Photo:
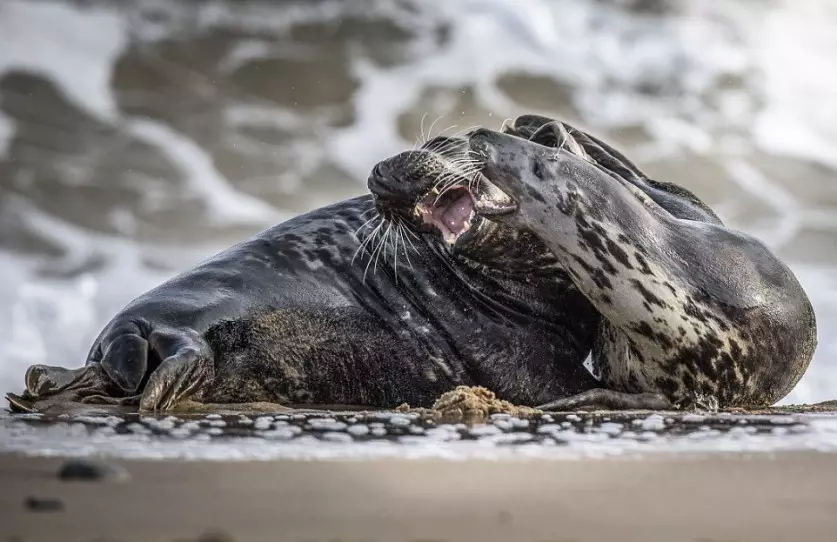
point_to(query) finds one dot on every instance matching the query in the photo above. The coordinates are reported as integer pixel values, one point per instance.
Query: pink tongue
(457, 213)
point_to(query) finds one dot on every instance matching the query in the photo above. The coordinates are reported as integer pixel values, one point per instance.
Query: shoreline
(758, 497)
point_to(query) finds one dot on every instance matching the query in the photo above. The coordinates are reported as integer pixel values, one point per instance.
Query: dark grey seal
(375, 301)
(694, 313)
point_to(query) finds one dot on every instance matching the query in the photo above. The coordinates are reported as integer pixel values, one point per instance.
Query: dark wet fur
(288, 317)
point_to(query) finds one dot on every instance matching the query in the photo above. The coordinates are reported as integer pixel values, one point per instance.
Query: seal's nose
(400, 179)
(381, 170)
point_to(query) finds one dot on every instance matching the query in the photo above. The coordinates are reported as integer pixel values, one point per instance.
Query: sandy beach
(705, 498)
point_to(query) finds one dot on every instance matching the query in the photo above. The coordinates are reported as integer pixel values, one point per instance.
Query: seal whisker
(382, 247)
(420, 139)
(394, 244)
(430, 130)
(404, 239)
(368, 238)
(441, 147)
(372, 253)
(377, 250)
(365, 224)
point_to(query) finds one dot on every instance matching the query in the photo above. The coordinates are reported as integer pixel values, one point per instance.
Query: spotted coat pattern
(692, 310)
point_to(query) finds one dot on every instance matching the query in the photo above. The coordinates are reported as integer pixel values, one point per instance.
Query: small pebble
(400, 421)
(378, 432)
(326, 424)
(654, 422)
(573, 418)
(358, 430)
(213, 416)
(91, 471)
(263, 423)
(518, 423)
(503, 424)
(36, 504)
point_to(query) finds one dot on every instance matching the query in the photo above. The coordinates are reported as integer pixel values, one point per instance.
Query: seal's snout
(399, 180)
(496, 154)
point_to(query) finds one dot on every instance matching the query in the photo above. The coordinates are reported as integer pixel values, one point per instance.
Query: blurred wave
(138, 138)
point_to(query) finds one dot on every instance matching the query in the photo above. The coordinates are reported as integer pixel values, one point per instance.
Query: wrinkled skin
(694, 313)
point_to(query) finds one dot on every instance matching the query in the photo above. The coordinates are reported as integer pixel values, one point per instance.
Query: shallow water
(137, 140)
(375, 435)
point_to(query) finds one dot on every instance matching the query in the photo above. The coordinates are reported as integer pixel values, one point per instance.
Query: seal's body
(306, 313)
(694, 313)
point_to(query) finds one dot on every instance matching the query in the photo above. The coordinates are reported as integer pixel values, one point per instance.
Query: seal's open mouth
(450, 212)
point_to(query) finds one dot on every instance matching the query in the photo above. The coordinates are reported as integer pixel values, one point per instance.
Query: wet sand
(720, 498)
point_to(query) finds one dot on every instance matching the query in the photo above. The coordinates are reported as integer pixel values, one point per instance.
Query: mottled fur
(693, 311)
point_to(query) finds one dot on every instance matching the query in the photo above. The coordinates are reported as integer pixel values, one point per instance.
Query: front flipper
(186, 369)
(603, 399)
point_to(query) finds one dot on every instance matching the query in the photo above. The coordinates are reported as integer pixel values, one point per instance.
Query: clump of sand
(470, 403)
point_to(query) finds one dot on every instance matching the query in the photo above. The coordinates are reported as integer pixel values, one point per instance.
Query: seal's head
(435, 192)
(435, 189)
(552, 156)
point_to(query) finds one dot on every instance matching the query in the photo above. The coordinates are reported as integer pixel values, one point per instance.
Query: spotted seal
(694, 313)
(393, 297)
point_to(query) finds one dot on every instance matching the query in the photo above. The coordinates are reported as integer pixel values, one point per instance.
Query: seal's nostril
(380, 170)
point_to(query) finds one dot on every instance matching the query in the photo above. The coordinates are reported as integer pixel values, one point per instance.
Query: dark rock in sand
(76, 470)
(37, 504)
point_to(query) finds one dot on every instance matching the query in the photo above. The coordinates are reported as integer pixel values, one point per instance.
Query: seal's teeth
(434, 190)
(467, 224)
